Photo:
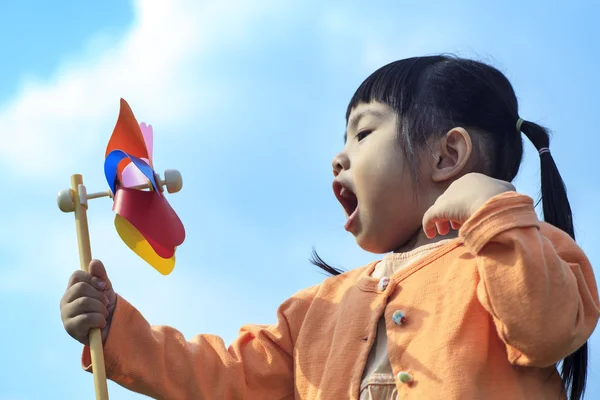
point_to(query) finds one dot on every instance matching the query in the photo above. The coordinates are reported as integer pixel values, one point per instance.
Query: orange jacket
(487, 317)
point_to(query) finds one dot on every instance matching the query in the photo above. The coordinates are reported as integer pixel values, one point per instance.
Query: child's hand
(461, 200)
(89, 302)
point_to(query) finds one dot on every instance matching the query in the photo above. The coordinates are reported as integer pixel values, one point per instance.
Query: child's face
(374, 184)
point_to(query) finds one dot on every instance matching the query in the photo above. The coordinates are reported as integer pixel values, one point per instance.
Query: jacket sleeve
(157, 361)
(535, 281)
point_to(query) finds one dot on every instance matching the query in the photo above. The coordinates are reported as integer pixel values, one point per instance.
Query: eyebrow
(357, 117)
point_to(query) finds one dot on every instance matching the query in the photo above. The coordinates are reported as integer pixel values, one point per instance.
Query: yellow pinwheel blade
(136, 242)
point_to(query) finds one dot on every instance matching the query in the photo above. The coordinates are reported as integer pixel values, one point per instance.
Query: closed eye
(363, 134)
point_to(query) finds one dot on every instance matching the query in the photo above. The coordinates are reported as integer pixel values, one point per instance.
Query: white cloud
(53, 128)
(156, 66)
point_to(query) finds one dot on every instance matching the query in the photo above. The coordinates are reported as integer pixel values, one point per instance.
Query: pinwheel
(144, 220)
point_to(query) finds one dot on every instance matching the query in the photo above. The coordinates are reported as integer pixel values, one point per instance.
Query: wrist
(500, 188)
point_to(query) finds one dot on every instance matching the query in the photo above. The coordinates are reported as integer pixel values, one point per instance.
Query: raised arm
(536, 282)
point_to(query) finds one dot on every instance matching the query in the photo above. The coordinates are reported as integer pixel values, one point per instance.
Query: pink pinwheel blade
(132, 176)
(147, 133)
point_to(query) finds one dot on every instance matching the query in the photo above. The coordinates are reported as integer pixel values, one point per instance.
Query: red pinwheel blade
(152, 215)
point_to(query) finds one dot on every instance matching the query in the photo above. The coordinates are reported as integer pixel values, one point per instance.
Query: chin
(373, 244)
(381, 242)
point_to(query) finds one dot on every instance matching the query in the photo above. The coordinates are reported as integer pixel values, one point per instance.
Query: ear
(452, 154)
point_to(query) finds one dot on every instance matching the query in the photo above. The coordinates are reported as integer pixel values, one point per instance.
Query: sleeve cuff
(499, 214)
(115, 346)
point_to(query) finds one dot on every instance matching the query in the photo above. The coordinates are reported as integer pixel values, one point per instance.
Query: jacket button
(398, 317)
(383, 283)
(405, 377)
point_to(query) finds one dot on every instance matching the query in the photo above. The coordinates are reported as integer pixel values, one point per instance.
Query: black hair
(433, 94)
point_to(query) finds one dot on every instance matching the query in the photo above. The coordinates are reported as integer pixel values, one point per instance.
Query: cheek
(390, 191)
(394, 210)
(382, 180)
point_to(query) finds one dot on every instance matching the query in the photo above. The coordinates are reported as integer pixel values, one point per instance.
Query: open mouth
(346, 197)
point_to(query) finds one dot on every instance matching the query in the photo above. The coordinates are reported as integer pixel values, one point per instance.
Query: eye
(363, 134)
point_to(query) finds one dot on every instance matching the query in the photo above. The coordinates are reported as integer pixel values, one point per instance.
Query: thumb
(97, 270)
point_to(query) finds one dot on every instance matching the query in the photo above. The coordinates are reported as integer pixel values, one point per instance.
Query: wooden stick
(85, 257)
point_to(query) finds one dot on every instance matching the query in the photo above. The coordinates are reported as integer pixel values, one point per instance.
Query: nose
(340, 162)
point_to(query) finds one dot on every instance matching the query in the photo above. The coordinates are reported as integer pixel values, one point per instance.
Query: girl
(478, 299)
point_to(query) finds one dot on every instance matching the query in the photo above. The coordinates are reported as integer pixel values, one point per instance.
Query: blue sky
(248, 102)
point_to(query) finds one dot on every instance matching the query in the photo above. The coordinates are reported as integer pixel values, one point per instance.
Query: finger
(83, 289)
(98, 271)
(84, 305)
(78, 276)
(83, 276)
(429, 222)
(455, 225)
(81, 325)
(442, 227)
(430, 231)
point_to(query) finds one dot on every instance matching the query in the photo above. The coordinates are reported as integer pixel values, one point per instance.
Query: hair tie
(543, 150)
(519, 123)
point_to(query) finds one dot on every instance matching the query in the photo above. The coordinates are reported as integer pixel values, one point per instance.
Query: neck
(420, 239)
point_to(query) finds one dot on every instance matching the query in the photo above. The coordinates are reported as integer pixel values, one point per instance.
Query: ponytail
(557, 212)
